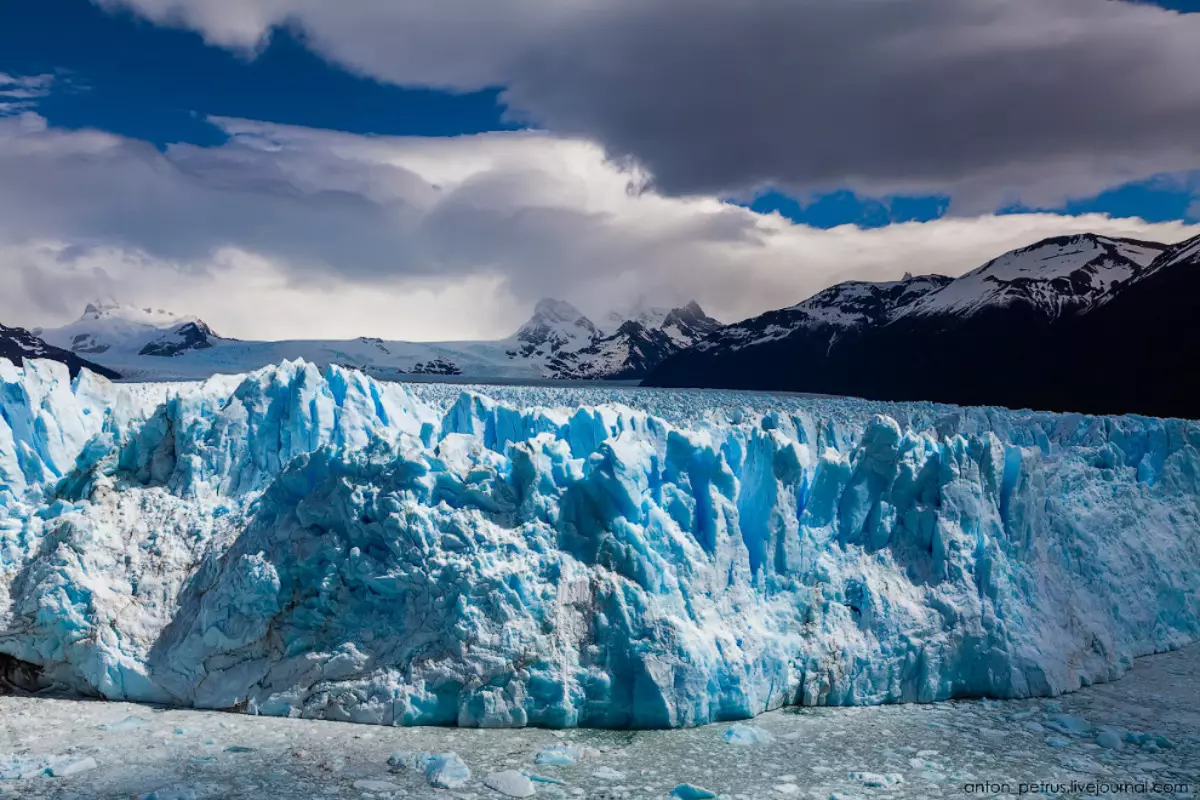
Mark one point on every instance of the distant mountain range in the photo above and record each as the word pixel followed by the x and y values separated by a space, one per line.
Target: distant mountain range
pixel 1079 323
pixel 1076 323
pixel 558 342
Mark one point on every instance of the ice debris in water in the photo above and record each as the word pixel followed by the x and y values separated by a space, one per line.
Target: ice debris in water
pixel 876 780
pixel 686 791
pixel 445 770
pixel 510 783
pixel 368 785
pixel 17 767
pixel 557 756
pixel 171 793
pixel 130 723
pixel 1073 726
pixel 304 541
pixel 747 735
pixel 71 765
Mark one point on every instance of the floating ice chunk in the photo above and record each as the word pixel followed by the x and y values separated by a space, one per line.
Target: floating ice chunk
pixel 558 756
pixel 1056 741
pixel 608 774
pixel 533 776
pixel 687 791
pixel 446 771
pixel 71 765
pixel 747 735
pixel 404 760
pixel 132 722
pixel 1070 725
pixel 15 768
pixel 510 783
pixel 1110 740
pixel 877 780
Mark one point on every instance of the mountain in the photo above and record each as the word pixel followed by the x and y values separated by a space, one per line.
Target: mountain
pixel 826 315
pixel 18 344
pixel 1039 327
pixel 640 342
pixel 110 329
pixel 1053 278
pixel 557 342
pixel 1137 349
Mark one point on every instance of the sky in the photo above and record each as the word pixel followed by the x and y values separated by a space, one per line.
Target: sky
pixel 429 170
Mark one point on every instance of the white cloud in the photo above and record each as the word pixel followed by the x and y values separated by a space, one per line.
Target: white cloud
pixel 20 93
pixel 288 232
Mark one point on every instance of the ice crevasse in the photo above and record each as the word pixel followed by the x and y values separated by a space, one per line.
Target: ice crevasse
pixel 313 543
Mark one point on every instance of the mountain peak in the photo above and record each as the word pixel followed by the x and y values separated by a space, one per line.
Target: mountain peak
pixel 554 325
pixel 553 309
pixel 109 307
pixel 1055 276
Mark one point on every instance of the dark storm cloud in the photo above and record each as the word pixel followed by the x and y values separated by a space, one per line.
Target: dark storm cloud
pixel 979 96
pixel 994 100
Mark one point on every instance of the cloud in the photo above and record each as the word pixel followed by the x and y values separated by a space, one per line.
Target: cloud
pixel 20 93
pixel 287 232
pixel 992 101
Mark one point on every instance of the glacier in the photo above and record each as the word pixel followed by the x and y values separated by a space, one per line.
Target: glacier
pixel 311 542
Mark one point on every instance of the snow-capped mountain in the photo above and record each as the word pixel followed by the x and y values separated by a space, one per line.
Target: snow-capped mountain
pixel 112 331
pixel 558 341
pixel 1053 277
pixel 828 313
pixel 1017 331
pixel 555 327
pixel 19 344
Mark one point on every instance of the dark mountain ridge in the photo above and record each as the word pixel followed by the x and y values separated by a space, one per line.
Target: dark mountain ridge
pixel 1083 323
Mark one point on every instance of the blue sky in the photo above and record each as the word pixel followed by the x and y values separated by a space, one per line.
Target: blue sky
pixel 429 170
pixel 126 75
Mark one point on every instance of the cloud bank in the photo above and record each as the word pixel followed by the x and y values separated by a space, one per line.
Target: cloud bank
pixel 990 101
pixel 286 232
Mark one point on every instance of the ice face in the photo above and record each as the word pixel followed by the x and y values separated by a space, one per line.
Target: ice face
pixel 313 543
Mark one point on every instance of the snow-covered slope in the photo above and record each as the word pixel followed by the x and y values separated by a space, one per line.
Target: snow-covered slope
pixel 113 330
pixel 18 344
pixel 558 341
pixel 1052 277
pixel 312 542
pixel 828 313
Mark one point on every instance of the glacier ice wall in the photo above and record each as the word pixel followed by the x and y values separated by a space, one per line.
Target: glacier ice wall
pixel 315 543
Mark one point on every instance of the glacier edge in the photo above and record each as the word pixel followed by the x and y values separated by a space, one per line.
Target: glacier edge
pixel 314 543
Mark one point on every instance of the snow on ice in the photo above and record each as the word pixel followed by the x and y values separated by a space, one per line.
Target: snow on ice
pixel 306 542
